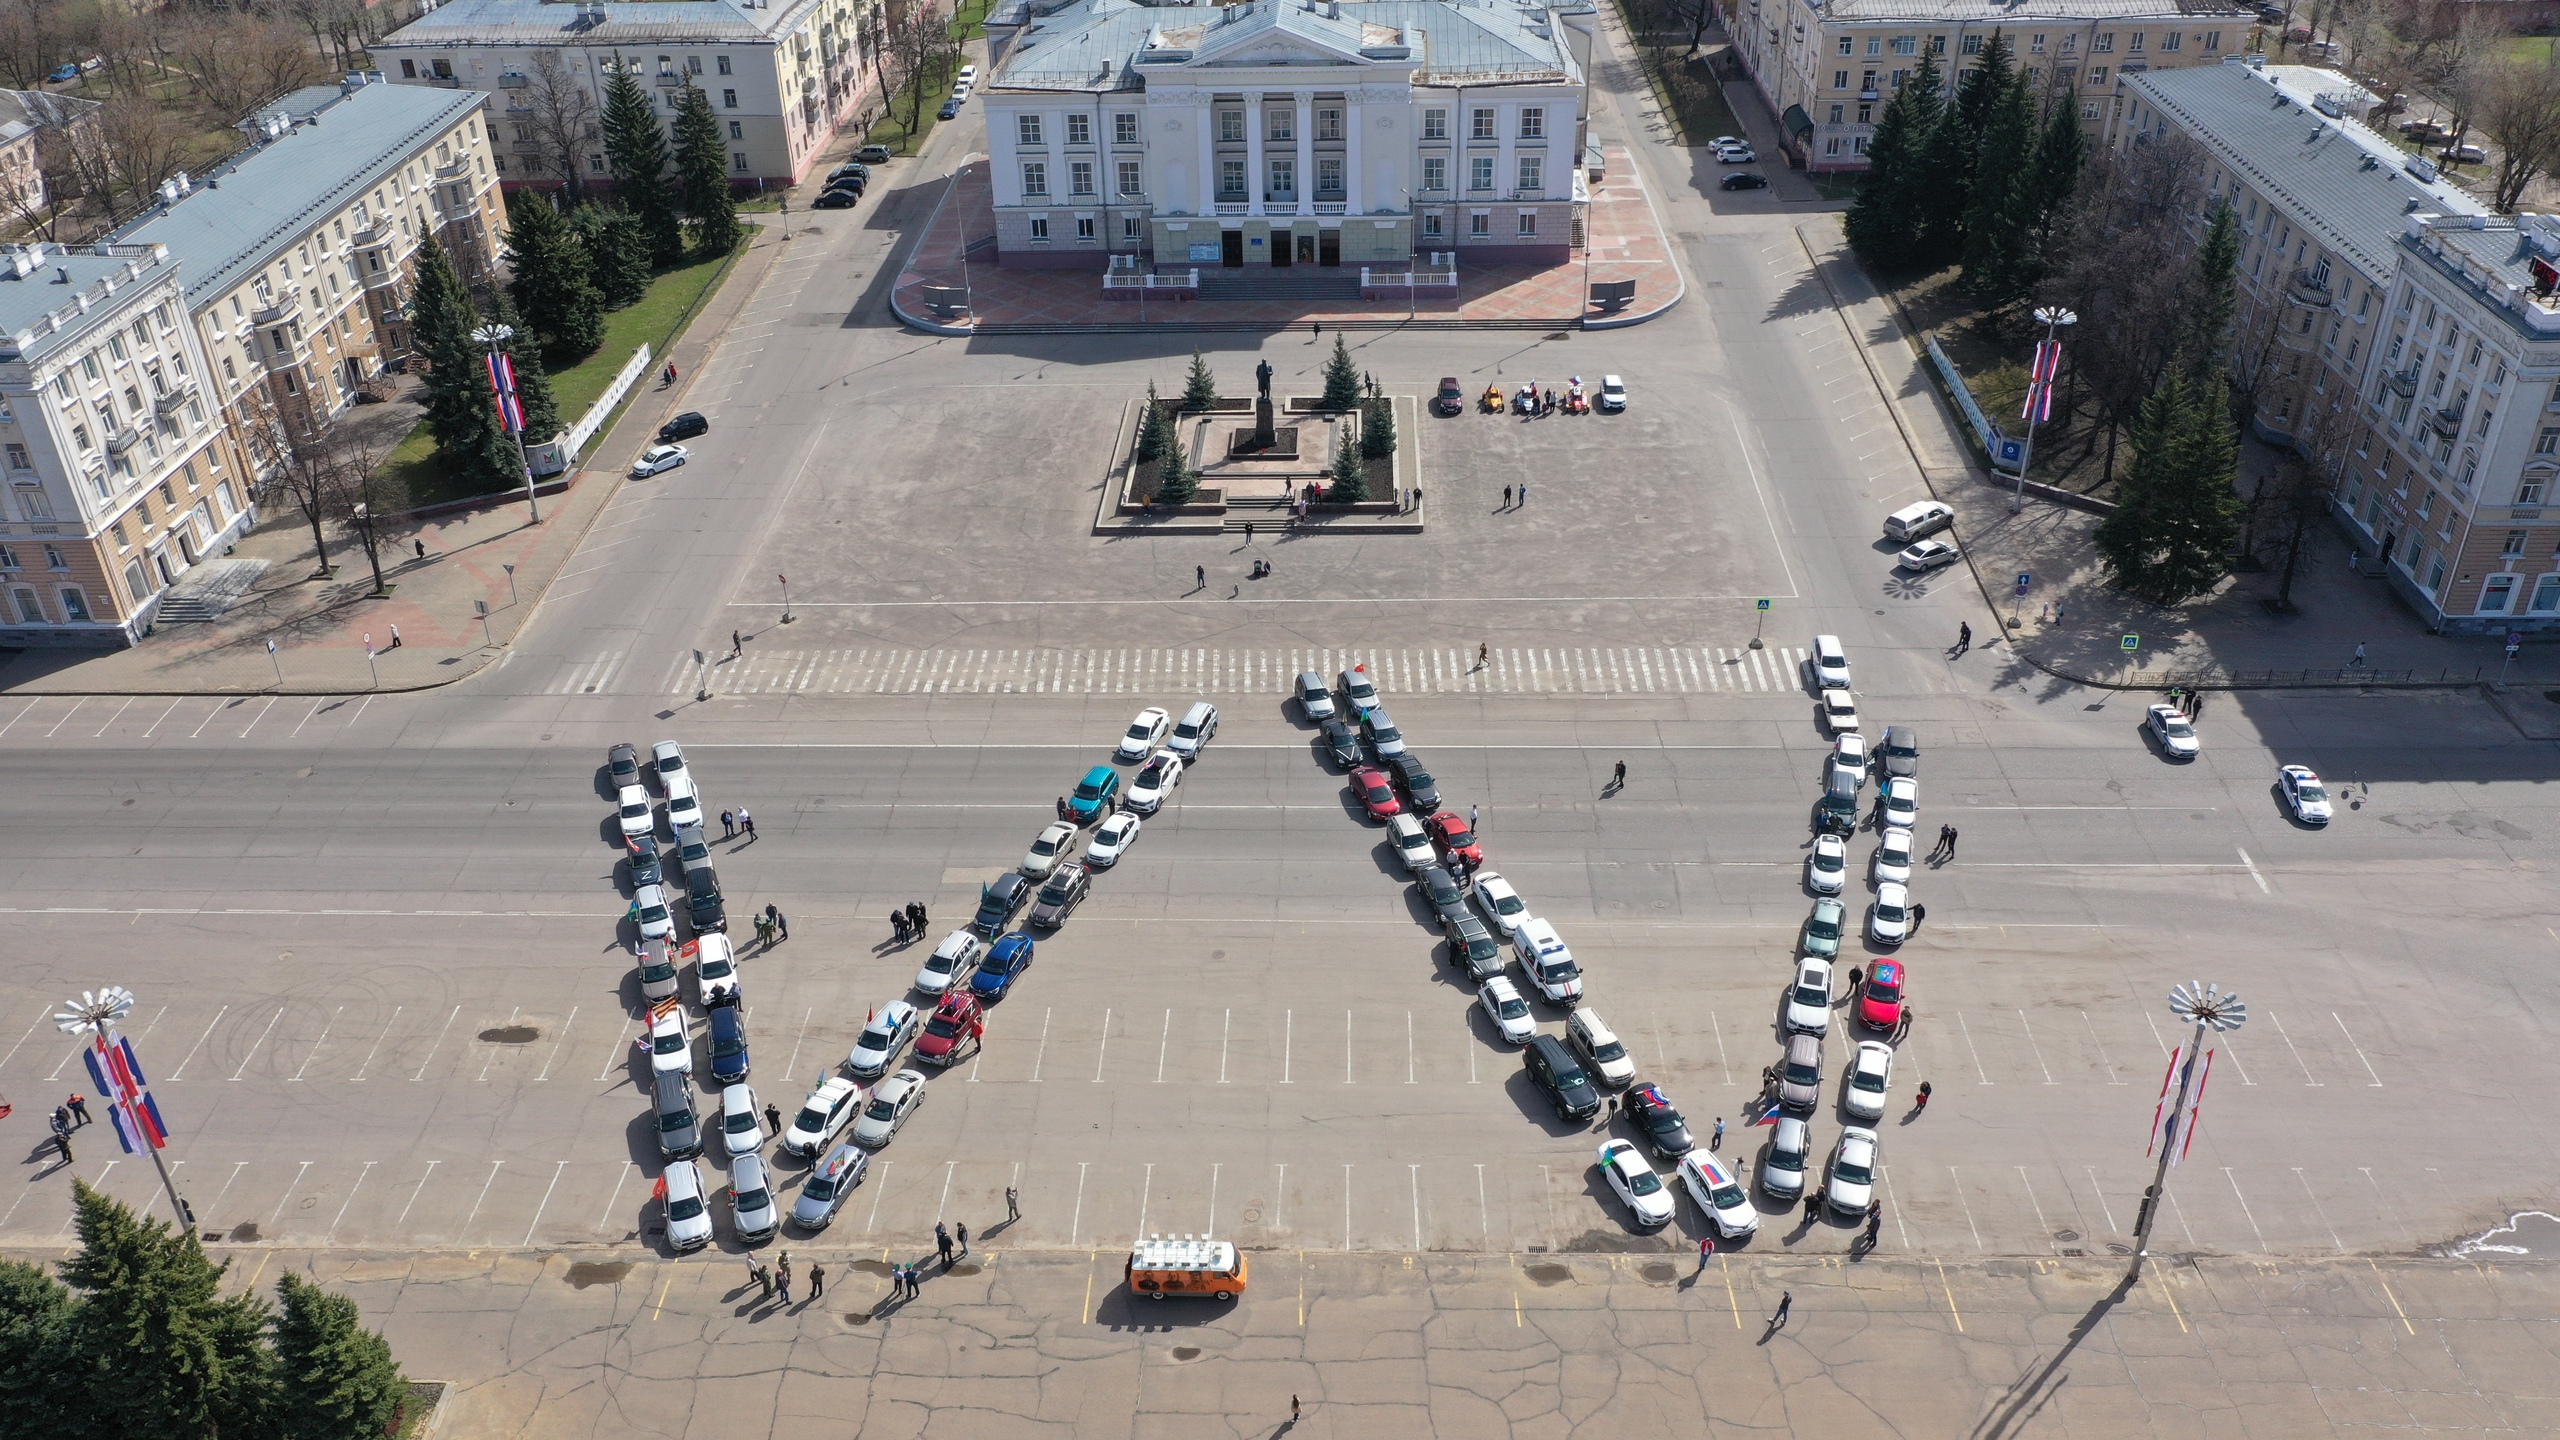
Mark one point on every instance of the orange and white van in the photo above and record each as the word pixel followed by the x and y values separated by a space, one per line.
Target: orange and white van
pixel 1186 1265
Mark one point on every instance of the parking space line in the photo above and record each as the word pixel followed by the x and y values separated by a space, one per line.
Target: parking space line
pixel 306 719
pixel 218 707
pixel 2112 1077
pixel 287 1197
pixel 1884 1173
pixel 21 715
pixel 1075 1222
pixel 494 1051
pixel 1968 1045
pixel 1104 1049
pixel 872 1225
pixel 1226 1028
pixel 2043 1226
pixel 545 1204
pixel 1346 1048
pixel 1041 1057
pixel 173 705
pixel 112 719
pixel 2253 871
pixel 615 1051
pixel 2263 1247
pixel 2321 1210
pixel 1288 1037
pixel 236 1167
pixel 1164 1046
pixel 2100 1191
pixel 253 1048
pixel 431 1050
pixel 1413 1173
pixel 615 1197
pixel 1146 1193
pixel 461 1236
pixel 41 1016
pixel 261 715
pixel 377 1046
pixel 556 1045
pixel 1484 1213
pixel 1408 1047
pixel 2289 1045
pixel 2387 1207
pixel 316 1044
pixel 66 716
pixel 2352 1045
pixel 1968 1209
pixel 2033 1046
pixel 792 1065
pixel 332 1236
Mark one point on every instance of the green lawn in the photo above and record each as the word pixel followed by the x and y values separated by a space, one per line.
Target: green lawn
pixel 968 23
pixel 2533 49
pixel 657 320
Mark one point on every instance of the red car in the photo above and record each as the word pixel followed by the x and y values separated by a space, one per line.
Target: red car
pixel 1456 842
pixel 1451 399
pixel 1376 794
pixel 1880 998
pixel 957 1019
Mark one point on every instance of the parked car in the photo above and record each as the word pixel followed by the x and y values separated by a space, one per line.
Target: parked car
pixel 1800 1073
pixel 1790 1146
pixel 999 902
pixel 688 1215
pixel 1315 698
pixel 958 1020
pixel 2175 732
pixel 1738 155
pixel 1145 732
pixel 1879 1005
pixel 1339 744
pixel 888 1033
pixel 873 155
pixel 658 459
pixel 829 1108
pixel 1055 842
pixel 1647 1199
pixel 1502 906
pixel 1452 400
pixel 728 1045
pixel 715 969
pixel 1717 1192
pixel 824 1192
pixel 950 110
pixel 1111 840
pixel 1096 795
pixel 741 1128
pixel 1059 898
pixel 1006 960
pixel 657 967
pixel 1153 782
pixel 1744 180
pixel 1567 1084
pixel 1359 692
pixel 1600 1048
pixel 952 961
pixel 892 1101
pixel 679 1131
pixel 1613 393
pixel 1924 556
pixel 622 762
pixel 1413 780
pixel 836 200
pixel 639 814
pixel 683 427
pixel 2304 795
pixel 752 1213
pixel 1828 869
pixel 1658 1121
pixel 1472 947
pixel 1870 1076
pixel 1853 1172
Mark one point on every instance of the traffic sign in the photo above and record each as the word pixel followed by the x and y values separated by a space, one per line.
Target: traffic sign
pixel 2024 580
pixel 2132 642
pixel 2515 637
pixel 1761 605
pixel 2009 452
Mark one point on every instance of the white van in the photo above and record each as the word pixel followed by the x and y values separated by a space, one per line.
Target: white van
pixel 1193 731
pixel 1913 521
pixel 1545 960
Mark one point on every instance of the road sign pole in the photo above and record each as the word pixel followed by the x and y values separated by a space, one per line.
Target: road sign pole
pixel 786 597
pixel 511 584
pixel 271 659
pixel 482 606
pixel 1759 624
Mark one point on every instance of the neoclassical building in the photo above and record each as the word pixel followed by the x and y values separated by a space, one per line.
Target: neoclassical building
pixel 1286 132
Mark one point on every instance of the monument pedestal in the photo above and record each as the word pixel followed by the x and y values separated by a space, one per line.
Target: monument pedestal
pixel 1263 441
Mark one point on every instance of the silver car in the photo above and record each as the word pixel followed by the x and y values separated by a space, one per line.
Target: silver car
pixel 1800 1073
pixel 888 1033
pixel 892 1101
pixel 752 1214
pixel 1314 699
pixel 828 1185
pixel 1782 1174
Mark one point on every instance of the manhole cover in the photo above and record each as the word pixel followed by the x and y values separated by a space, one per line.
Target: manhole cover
pixel 597 1272
pixel 1253 1214
pixel 1658 1273
pixel 2066 1234
pixel 2114 1249
pixel 1548 1273
pixel 511 1035
pixel 245 1230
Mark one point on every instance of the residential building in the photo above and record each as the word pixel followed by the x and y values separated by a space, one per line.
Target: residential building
pixel 1285 132
pixel 1827 67
pixel 781 75
pixel 35 125
pixel 117 472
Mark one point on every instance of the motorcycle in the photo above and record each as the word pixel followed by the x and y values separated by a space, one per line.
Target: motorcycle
pixel 1492 402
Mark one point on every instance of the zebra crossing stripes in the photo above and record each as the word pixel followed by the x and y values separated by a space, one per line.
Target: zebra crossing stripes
pixel 1674 670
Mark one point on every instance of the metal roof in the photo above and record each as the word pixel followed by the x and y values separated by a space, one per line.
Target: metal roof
pixel 2329 175
pixel 342 144
pixel 2022 13
pixel 1104 45
pixel 461 23
pixel 55 285
pixel 1158 1253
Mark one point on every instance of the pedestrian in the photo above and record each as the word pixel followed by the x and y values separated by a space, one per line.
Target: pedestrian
pixel 1875 1220
pixel 2195 704
pixel 737 642
pixel 80 1108
pixel 1918 914
pixel 1902 1026
pixel 2358 662
pixel 782 1282
pixel 747 822
pixel 773 1117
pixel 1524 495
pixel 634 917
pixel 762 1276
pixel 781 922
pixel 1012 1204
pixel 1951 842
pixel 1472 813
pixel 2057 612
pixel 61 1119
pixel 1506 497
pixel 1813 1207
pixel 1484 654
pixel 1786 1302
pixel 396 641
pixel 898 926
pixel 671 375
pixel 1062 807
pixel 1716 1142
pixel 1618 778
pixel 1293 1409
pixel 1706 1247
pixel 728 824
pixel 915 1281
pixel 1920 1101
pixel 817 1282
pixel 1964 636
pixel 915 915
pixel 422 548
pixel 62 1142
pixel 764 933
pixel 962 1231
pixel 1316 327
pixel 1941 847
pixel 1199 577
pixel 1856 975
pixel 1248 532
pixel 942 1242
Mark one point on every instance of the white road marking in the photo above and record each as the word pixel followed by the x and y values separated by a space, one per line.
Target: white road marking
pixel 1103 1049
pixel 332 1236
pixel 494 1167
pixel 288 1194
pixel 1075 1223
pixel 431 1050
pixel 2244 1209
pixel 1968 1209
pixel 1146 1192
pixel 556 1045
pixel 1042 1056
pixel 2038 1049
pixel 253 1048
pixel 2289 1045
pixel 316 1044
pixel 610 1200
pixel 2112 1077
pixel 112 719
pixel 377 1045
pixel 66 716
pixel 2352 1045
pixel 1968 1045
pixel 2253 871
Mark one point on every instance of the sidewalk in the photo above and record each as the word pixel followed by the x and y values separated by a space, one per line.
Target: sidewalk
pixel 319 626
pixel 2225 640
pixel 1627 237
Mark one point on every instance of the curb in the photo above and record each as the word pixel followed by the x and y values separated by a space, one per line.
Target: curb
pixel 1679 273
pixel 950 182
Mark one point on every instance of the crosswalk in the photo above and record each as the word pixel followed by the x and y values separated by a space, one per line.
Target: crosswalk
pixel 1157 671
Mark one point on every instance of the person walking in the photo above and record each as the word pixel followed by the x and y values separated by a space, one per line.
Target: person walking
pixel 1918 914
pixel 1472 813
pixel 1618 777
pixel 773 1116
pixel 422 547
pixel 762 1277
pixel 817 1282
pixel 1506 497
pixel 1706 1247
pixel 962 1232
pixel 1875 1220
pixel 1199 577
pixel 2358 662
pixel 942 1242
pixel 1716 1141
pixel 728 824
pixel 1941 847
pixel 396 641
pixel 1484 654
pixel 737 643
pixel 1786 1302
pixel 1964 636
pixel 1012 1204
pixel 1920 1101
pixel 1248 532
pixel 1524 495
pixel 747 822
pixel 1952 832
pixel 1902 1025
pixel 61 1118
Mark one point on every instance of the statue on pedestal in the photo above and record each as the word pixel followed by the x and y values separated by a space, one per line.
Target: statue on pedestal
pixel 1262 434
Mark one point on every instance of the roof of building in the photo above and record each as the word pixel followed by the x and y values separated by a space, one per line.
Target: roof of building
pixel 2018 14
pixel 341 144
pixel 1111 44
pixel 593 23
pixel 2332 176
pixel 2492 256
pixel 39 280
pixel 24 112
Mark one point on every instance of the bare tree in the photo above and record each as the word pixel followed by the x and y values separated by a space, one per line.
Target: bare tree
pixel 321 468
pixel 123 152
pixel 562 119
pixel 238 62
pixel 920 50
pixel 2517 105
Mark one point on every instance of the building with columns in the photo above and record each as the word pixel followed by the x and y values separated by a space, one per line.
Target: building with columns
pixel 1286 132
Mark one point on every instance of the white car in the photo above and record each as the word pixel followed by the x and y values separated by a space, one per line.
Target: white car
pixel 683 810
pixel 1830 663
pixel 2303 792
pixel 1502 906
pixel 1893 858
pixel 892 1101
pixel 1600 1048
pixel 1839 711
pixel 658 459
pixel 1848 760
pixel 951 962
pixel 1508 1012
pixel 968 75
pixel 1927 555
pixel 674 776
pixel 670 1047
pixel 1144 732
pixel 1055 843
pixel 1737 155
pixel 828 1110
pixel 1889 918
pixel 1898 804
pixel 1613 394
pixel 888 1033
pixel 2175 732
pixel 1782 1174
pixel 1648 1200
pixel 1870 1075
pixel 1828 870
pixel 1853 1171
pixel 740 1126
pixel 715 969
pixel 1718 1193
pixel 1111 840
pixel 1152 783
pixel 639 817
pixel 1412 842
pixel 752 1213
pixel 655 921
pixel 1809 999
pixel 688 1213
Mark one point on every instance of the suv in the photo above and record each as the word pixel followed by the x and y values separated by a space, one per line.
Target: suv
pixel 1473 947
pixel 1193 732
pixel 998 902
pixel 1800 1074
pixel 1451 400
pixel 1315 699
pixel 1600 1047
pixel 1406 770
pixel 1340 745
pixel 1378 731
pixel 1562 1077
pixel 684 426
pixel 1060 896
pixel 679 1132
pixel 1836 813
pixel 702 892
pixel 952 961
pixel 1097 795
pixel 873 155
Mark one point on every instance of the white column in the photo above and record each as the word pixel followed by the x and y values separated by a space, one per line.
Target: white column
pixel 1306 151
pixel 1257 180
pixel 1351 127
pixel 1204 118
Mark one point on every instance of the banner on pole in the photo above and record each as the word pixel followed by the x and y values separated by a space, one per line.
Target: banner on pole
pixel 502 385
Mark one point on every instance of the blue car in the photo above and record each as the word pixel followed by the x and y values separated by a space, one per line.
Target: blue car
pixel 996 974
pixel 728 1045
pixel 64 72
pixel 1097 794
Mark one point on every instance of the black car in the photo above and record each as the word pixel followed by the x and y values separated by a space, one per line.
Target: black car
pixel 691 848
pixel 624 762
pixel 1451 400
pixel 1472 947
pixel 1567 1085
pixel 997 902
pixel 1414 781
pixel 1744 180
pixel 1340 744
pixel 950 110
pixel 1901 751
pixel 1440 890
pixel 850 167
pixel 854 183
pixel 645 868
pixel 837 200
pixel 1059 897
pixel 688 424
pixel 702 891
pixel 1659 1122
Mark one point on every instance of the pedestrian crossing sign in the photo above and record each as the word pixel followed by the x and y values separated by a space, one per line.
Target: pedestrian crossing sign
pixel 2132 642
pixel 1760 605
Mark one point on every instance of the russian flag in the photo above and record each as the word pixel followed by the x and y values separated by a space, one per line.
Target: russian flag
pixel 135 1113
pixel 502 385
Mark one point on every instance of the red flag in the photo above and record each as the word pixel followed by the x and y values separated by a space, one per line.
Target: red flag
pixel 658 1192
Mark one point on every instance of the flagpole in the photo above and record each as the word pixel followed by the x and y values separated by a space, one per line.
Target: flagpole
pixel 2210 1008
pixel 510 409
pixel 2040 390
pixel 95 1015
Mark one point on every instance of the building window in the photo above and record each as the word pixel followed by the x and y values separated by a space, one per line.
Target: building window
pixel 1906 45
pixel 595 164
pixel 721 62
pixel 2135 43
pixel 1129 228
pixel 1840 79
pixel 1866 114
pixel 1328 178
pixel 1481 125
pixel 2035 44
pixel 1231 127
pixel 1480 224
pixel 693 64
pixel 1435 176
pixel 2105 44
pixel 1035 178
pixel 53 558
pixel 75 606
pixel 1026 129
pixel 1080 177
pixel 1124 129
pixel 1084 227
pixel 1480 173
pixel 2515 544
pixel 2529 493
pixel 1130 184
pixel 1837 111
pixel 738 161
pixel 1431 225
pixel 2167 42
pixel 408 69
pixel 2546 595
pixel 1231 180
pixel 1832 145
pixel 1435 124
pixel 728 99
pixel 1533 170
pixel 1284 181
pixel 1528 223
pixel 1972 45
pixel 1875 45
pixel 1039 227
pixel 1845 43
pixel 737 130
pixel 2497 594
pixel 1079 129
pixel 1533 123
pixel 18 458
pixel 1329 124
pixel 2097 76
pixel 1280 123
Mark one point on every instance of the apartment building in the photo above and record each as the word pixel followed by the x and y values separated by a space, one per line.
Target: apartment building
pixel 2391 329
pixel 34 124
pixel 119 476
pixel 781 75
pixel 1286 132
pixel 1827 67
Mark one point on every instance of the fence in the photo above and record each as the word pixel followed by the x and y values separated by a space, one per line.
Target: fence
pixel 2218 678
pixel 1170 280
pixel 1983 430
pixel 575 438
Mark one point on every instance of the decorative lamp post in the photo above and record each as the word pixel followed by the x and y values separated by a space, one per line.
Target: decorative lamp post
pixel 2039 407
pixel 118 1076
pixel 502 388
pixel 2173 1120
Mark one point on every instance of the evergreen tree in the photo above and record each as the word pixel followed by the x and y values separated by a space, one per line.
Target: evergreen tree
pixel 1983 89
pixel 38 1391
pixel 2177 516
pixel 1350 473
pixel 552 284
pixel 1155 433
pixel 1941 187
pixel 2062 151
pixel 2000 222
pixel 154 1346
pixel 533 384
pixel 1377 424
pixel 1200 392
pixel 2206 342
pixel 1885 221
pixel 335 1379
pixel 1175 482
pixel 1341 378
pixel 617 253
pixel 460 411
pixel 702 159
pixel 635 149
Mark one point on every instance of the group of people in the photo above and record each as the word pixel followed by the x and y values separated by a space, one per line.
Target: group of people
pixel 68 1116
pixel 776 1280
pixel 772 927
pixel 1536 399
pixel 908 923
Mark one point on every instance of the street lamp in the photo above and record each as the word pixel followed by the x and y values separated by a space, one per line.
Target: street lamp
pixel 502 386
pixel 119 1079
pixel 2174 1119
pixel 2040 389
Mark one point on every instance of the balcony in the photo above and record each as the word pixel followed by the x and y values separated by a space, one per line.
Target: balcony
pixel 669 80
pixel 276 312
pixel 1530 192
pixel 175 398
pixel 1334 206
pixel 1236 205
pixel 444 82
pixel 2306 290
pixel 2447 422
pixel 513 80
pixel 123 440
pixel 2403 383
pixel 456 171
pixel 1870 95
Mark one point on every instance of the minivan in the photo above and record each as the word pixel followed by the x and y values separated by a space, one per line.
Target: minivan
pixel 679 1131
pixel 1195 729
pixel 1545 960
pixel 1562 1077
pixel 1913 521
